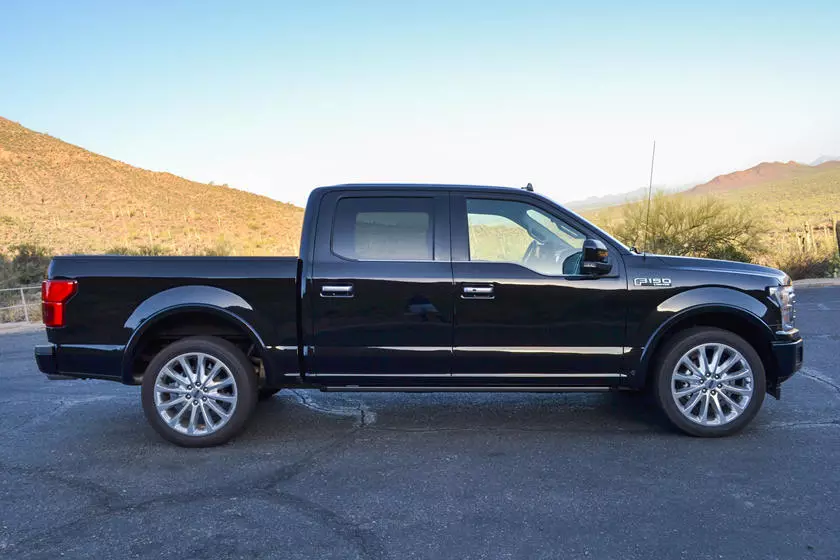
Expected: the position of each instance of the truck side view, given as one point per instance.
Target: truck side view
(424, 288)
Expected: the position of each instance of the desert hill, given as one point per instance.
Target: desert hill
(765, 172)
(68, 199)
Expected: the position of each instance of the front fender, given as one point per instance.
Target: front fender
(183, 299)
(667, 316)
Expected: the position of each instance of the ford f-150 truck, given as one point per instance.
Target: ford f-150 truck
(424, 288)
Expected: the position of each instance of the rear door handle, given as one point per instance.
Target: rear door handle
(477, 292)
(345, 291)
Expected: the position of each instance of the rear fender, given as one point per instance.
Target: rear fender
(182, 299)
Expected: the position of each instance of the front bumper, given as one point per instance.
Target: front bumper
(788, 357)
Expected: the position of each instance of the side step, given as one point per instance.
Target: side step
(464, 389)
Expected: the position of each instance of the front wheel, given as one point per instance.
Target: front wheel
(199, 391)
(710, 382)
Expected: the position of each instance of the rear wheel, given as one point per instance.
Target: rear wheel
(710, 382)
(199, 392)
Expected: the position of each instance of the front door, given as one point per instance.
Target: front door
(381, 288)
(524, 312)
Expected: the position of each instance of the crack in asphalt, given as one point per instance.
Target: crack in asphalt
(63, 405)
(811, 373)
(366, 417)
(108, 502)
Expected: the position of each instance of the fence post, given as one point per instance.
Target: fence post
(25, 307)
(837, 234)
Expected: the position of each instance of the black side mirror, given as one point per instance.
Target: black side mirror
(596, 258)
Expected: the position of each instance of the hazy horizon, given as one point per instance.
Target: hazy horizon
(277, 98)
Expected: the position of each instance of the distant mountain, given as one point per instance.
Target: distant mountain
(766, 172)
(823, 159)
(595, 202)
(71, 200)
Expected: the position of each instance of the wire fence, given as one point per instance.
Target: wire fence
(20, 304)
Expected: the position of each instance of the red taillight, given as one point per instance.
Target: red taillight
(54, 294)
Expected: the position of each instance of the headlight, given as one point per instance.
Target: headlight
(785, 298)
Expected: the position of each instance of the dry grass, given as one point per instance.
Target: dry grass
(69, 200)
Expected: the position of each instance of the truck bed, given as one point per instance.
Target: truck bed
(118, 295)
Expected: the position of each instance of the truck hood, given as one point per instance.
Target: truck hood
(731, 267)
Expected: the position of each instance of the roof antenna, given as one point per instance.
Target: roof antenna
(650, 189)
(529, 187)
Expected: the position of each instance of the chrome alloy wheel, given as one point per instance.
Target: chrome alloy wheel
(712, 384)
(195, 394)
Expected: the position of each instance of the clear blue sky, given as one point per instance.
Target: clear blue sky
(278, 97)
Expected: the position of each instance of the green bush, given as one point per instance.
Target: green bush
(26, 264)
(690, 226)
(812, 264)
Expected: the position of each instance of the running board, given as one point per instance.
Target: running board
(465, 389)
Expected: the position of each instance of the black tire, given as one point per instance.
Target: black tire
(671, 355)
(241, 370)
(266, 393)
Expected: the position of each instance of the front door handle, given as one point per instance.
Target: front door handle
(477, 292)
(345, 291)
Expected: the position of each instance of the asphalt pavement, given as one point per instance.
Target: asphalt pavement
(403, 476)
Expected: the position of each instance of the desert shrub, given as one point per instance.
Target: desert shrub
(141, 250)
(24, 265)
(221, 248)
(810, 264)
(697, 227)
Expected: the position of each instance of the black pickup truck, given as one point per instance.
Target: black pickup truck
(424, 288)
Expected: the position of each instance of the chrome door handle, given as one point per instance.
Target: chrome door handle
(478, 292)
(337, 291)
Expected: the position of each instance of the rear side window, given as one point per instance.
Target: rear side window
(384, 229)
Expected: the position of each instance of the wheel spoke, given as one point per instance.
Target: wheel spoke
(166, 405)
(177, 418)
(721, 417)
(737, 375)
(735, 406)
(735, 389)
(227, 382)
(193, 415)
(217, 409)
(715, 359)
(685, 378)
(213, 372)
(185, 367)
(223, 398)
(691, 367)
(177, 377)
(208, 422)
(200, 370)
(704, 360)
(170, 389)
(691, 403)
(722, 368)
(690, 390)
(704, 408)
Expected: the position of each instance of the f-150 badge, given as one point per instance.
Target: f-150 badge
(655, 282)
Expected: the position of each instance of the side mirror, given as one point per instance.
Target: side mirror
(595, 259)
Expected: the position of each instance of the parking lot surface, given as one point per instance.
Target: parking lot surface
(404, 476)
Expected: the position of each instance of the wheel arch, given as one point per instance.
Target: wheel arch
(727, 317)
(164, 325)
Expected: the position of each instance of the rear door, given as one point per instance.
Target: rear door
(524, 313)
(381, 288)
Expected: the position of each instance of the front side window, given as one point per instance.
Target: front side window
(384, 229)
(517, 232)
